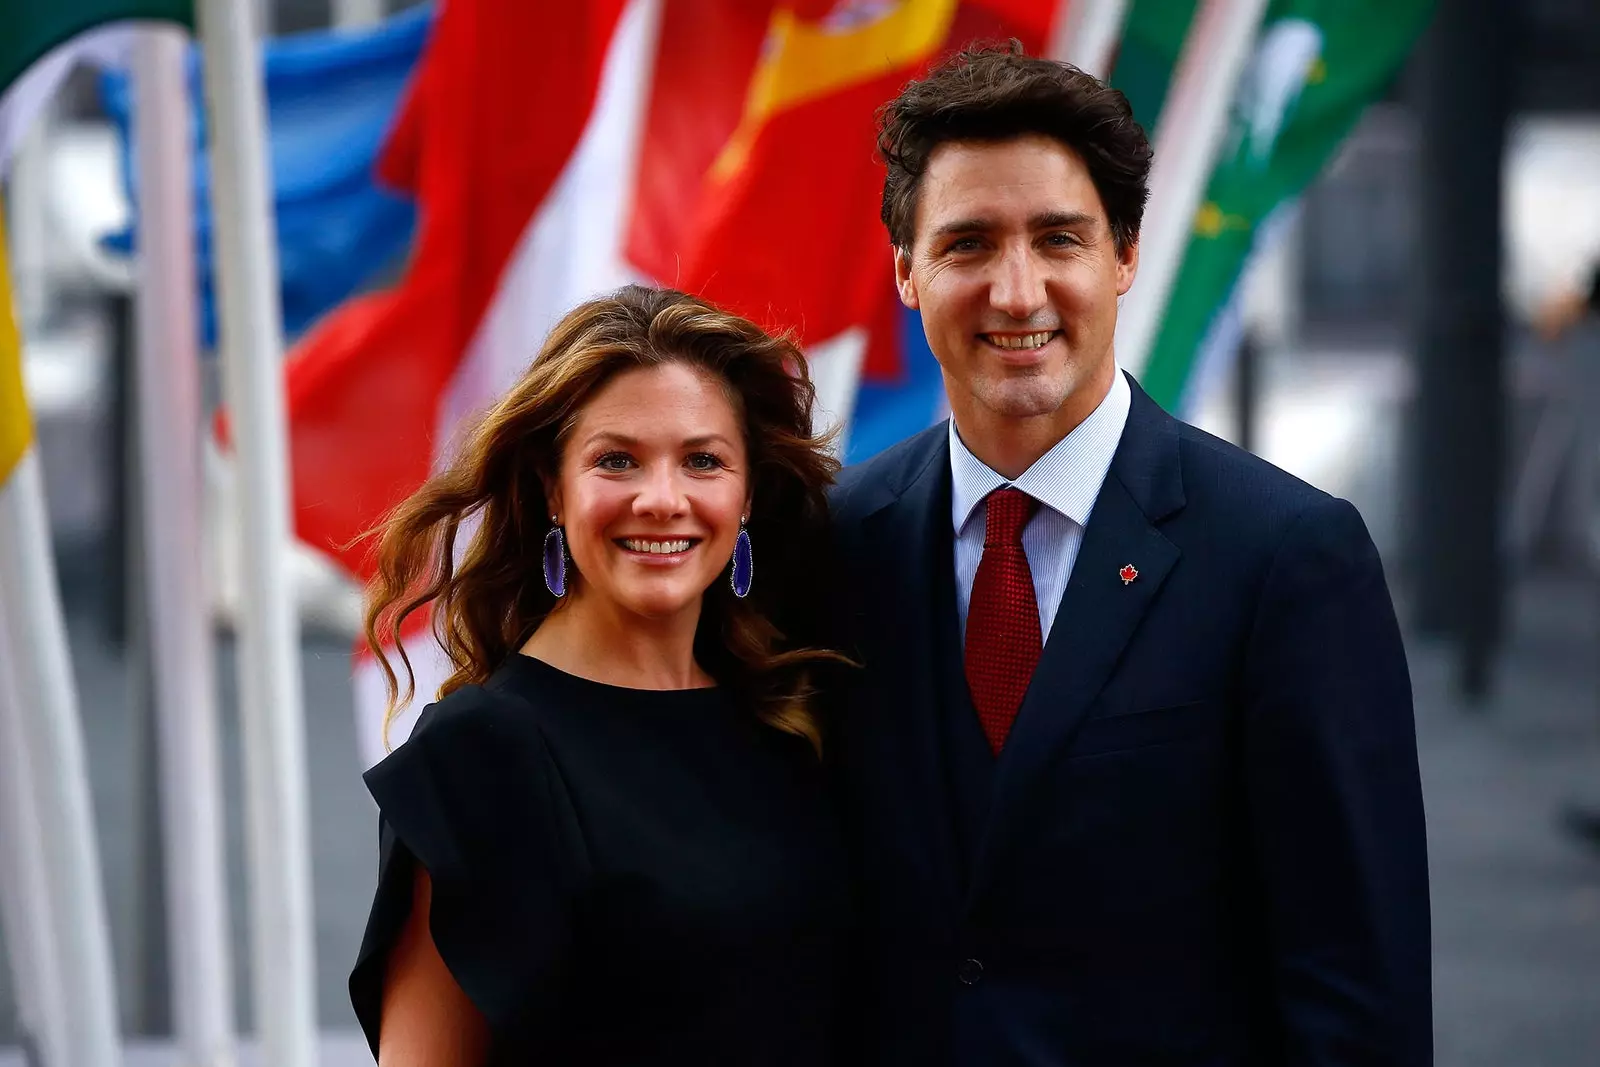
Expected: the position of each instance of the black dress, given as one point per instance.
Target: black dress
(620, 876)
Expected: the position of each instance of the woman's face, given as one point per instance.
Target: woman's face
(652, 486)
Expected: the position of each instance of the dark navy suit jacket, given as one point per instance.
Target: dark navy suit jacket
(1203, 843)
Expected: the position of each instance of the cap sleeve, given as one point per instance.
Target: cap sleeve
(475, 797)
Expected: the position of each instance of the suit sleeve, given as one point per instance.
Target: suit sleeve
(1335, 802)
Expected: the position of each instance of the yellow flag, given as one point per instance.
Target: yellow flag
(16, 431)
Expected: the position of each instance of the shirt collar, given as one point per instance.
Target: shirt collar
(1066, 479)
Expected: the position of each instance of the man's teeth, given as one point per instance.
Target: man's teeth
(658, 548)
(1027, 340)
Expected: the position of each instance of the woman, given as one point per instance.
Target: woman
(608, 841)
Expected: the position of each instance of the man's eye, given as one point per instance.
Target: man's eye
(1062, 240)
(965, 244)
(614, 461)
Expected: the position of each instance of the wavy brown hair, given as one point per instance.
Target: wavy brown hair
(487, 605)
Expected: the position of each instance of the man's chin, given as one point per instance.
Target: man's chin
(1030, 398)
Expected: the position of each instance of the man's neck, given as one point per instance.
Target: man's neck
(1009, 446)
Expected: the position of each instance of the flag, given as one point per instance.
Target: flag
(1317, 64)
(367, 384)
(331, 96)
(367, 387)
(511, 139)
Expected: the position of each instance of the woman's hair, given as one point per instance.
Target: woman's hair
(995, 93)
(486, 606)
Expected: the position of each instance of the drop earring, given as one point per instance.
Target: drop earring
(744, 565)
(555, 559)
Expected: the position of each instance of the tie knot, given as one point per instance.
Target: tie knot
(1007, 513)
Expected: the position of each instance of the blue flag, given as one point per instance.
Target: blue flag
(331, 98)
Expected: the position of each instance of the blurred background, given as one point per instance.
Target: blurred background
(1382, 281)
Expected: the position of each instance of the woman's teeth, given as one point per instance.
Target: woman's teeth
(1026, 340)
(656, 548)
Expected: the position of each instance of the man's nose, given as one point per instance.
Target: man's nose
(1018, 286)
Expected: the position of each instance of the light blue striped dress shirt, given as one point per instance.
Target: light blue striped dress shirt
(1065, 480)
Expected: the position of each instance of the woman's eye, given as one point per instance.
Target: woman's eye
(704, 461)
(614, 461)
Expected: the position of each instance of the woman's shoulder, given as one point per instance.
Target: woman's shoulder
(482, 716)
(476, 767)
(474, 741)
(508, 707)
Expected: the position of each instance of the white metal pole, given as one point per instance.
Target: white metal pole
(251, 338)
(1086, 34)
(52, 740)
(353, 14)
(1194, 122)
(25, 907)
(170, 433)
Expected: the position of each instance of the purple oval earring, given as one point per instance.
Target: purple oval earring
(744, 565)
(555, 560)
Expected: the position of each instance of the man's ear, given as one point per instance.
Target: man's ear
(1127, 266)
(903, 281)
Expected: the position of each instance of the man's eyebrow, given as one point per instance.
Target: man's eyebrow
(974, 224)
(1051, 220)
(1048, 220)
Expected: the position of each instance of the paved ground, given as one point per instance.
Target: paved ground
(1517, 905)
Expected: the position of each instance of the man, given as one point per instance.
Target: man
(1130, 770)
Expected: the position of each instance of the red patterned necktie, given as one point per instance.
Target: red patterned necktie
(1003, 641)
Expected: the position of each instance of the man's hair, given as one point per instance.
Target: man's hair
(995, 93)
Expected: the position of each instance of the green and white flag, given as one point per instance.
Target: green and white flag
(41, 41)
(1316, 66)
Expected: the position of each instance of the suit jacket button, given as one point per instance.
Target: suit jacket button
(970, 972)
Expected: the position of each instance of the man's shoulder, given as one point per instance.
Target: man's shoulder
(1222, 471)
(865, 487)
(1224, 485)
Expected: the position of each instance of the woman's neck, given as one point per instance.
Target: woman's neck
(603, 643)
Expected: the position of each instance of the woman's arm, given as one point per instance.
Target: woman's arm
(427, 1020)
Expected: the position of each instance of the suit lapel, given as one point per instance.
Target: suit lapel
(911, 550)
(1097, 617)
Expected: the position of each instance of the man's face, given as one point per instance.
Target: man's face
(1017, 276)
